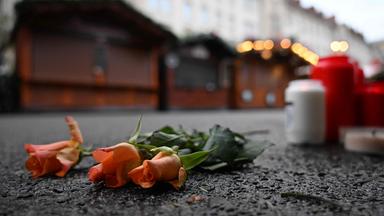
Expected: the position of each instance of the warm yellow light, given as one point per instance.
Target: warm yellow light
(285, 43)
(266, 54)
(239, 48)
(268, 44)
(343, 46)
(306, 54)
(295, 47)
(258, 45)
(339, 46)
(301, 51)
(314, 60)
(245, 46)
(335, 46)
(311, 56)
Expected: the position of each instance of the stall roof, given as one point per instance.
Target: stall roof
(211, 41)
(101, 11)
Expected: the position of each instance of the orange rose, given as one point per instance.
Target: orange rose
(57, 157)
(162, 167)
(115, 163)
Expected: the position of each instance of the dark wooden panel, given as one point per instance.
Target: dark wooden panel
(129, 66)
(198, 98)
(62, 58)
(144, 98)
(24, 53)
(196, 73)
(119, 97)
(70, 97)
(195, 96)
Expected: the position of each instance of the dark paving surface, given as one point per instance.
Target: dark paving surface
(340, 183)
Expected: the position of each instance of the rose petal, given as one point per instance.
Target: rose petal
(51, 165)
(100, 154)
(118, 179)
(95, 173)
(74, 129)
(124, 152)
(56, 146)
(116, 163)
(120, 152)
(159, 155)
(180, 180)
(43, 162)
(162, 167)
(137, 176)
(33, 165)
(111, 181)
(68, 157)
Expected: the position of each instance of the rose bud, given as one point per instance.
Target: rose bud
(163, 167)
(56, 158)
(114, 164)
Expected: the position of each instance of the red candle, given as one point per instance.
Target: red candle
(373, 104)
(337, 75)
(359, 91)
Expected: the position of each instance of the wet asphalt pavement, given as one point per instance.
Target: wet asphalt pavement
(285, 180)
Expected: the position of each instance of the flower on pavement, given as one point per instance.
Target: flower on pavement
(163, 167)
(114, 164)
(55, 158)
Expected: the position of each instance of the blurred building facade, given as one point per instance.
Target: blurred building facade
(122, 58)
(264, 19)
(237, 20)
(231, 20)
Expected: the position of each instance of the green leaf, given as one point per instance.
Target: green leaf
(136, 134)
(190, 161)
(168, 130)
(159, 138)
(184, 151)
(253, 148)
(197, 140)
(225, 142)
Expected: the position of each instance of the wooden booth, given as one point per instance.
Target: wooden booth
(264, 69)
(87, 54)
(198, 74)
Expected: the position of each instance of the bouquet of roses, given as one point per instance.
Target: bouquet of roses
(163, 155)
